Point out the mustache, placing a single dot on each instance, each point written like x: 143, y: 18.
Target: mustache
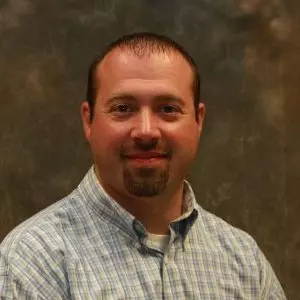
x: 147, y: 146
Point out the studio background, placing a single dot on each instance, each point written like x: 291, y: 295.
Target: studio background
x: 247, y: 169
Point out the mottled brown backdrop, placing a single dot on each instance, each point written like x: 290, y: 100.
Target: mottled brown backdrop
x: 248, y: 51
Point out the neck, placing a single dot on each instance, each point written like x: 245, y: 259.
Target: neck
x: 155, y: 213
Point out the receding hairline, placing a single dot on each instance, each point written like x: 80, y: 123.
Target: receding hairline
x: 145, y: 52
x: 142, y: 43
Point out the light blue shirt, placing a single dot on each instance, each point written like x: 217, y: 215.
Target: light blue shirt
x: 86, y: 246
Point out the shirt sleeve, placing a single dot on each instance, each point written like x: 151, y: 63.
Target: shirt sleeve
x: 271, y: 288
x: 13, y: 288
x: 30, y: 271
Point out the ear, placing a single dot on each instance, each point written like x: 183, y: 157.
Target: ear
x: 85, y: 116
x: 201, y: 114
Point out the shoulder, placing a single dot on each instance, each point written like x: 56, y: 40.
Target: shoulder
x: 45, y: 229
x: 218, y: 230
x: 235, y: 250
x: 32, y: 255
x: 228, y: 243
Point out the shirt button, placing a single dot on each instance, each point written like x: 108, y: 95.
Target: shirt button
x: 166, y: 261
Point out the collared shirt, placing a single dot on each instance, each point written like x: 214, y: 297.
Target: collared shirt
x: 86, y: 246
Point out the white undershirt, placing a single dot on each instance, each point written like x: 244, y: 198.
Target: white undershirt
x: 158, y: 241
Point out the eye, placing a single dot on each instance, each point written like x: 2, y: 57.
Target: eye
x: 122, y: 108
x: 169, y: 109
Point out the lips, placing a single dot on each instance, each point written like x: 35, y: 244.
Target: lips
x: 146, y: 155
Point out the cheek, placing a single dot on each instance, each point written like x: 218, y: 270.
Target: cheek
x: 186, y: 141
x: 107, y: 139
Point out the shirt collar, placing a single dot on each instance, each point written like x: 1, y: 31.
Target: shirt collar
x: 106, y: 207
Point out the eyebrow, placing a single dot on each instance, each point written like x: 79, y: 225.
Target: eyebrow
x: 158, y: 98
x: 121, y: 97
x: 169, y: 98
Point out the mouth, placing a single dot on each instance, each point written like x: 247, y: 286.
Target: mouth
x: 147, y: 158
x: 146, y: 155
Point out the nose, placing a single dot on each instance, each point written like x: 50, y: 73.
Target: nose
x: 145, y: 127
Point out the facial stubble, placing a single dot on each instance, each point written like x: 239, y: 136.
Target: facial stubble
x: 146, y: 181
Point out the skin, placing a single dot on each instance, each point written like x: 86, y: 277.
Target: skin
x: 144, y: 105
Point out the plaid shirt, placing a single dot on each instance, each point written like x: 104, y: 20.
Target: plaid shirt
x: 86, y: 246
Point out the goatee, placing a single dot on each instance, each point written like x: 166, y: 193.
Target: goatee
x: 146, y: 182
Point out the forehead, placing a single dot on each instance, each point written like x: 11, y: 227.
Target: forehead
x: 122, y: 65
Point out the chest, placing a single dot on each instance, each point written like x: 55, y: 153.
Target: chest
x: 131, y: 273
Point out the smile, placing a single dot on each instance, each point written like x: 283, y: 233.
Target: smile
x: 146, y: 158
x: 146, y: 155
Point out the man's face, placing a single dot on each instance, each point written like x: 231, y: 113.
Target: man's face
x: 144, y: 135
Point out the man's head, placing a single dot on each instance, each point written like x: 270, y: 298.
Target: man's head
x: 143, y: 115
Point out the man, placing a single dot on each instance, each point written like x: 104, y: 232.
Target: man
x: 133, y: 229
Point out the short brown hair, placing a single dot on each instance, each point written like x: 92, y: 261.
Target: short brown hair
x: 139, y: 43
